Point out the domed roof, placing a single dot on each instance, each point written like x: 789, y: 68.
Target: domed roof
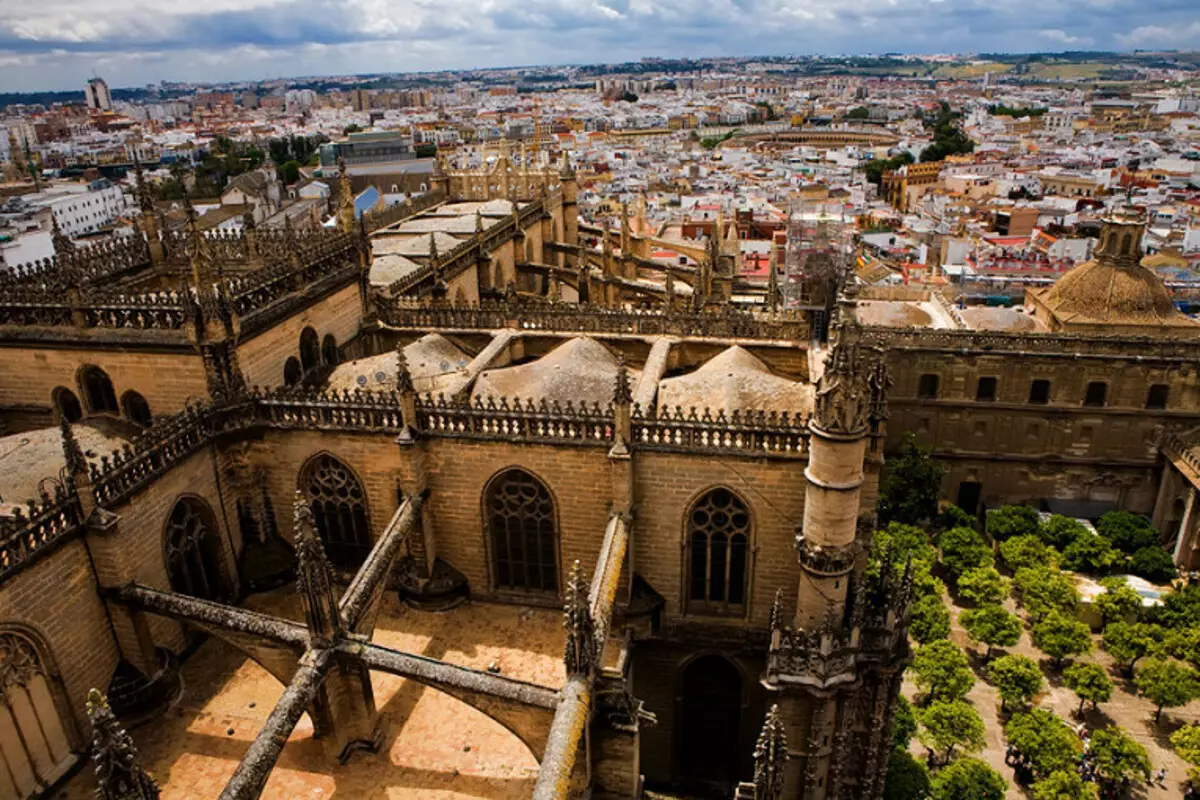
x: 735, y: 380
x: 580, y: 370
x: 1097, y: 292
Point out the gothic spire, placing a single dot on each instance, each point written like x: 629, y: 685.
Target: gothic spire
x: 772, y: 281
x: 345, y: 198
x: 141, y: 191
x: 314, y: 575
x: 580, y: 653
x: 118, y: 772
x: 770, y: 756
x: 403, y: 376
x: 62, y: 243
x: 622, y: 395
x: 72, y: 452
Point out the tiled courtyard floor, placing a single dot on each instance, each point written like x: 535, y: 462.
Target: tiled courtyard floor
x: 1134, y: 714
x: 437, y: 748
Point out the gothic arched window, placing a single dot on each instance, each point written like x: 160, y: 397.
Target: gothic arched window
x: 522, y: 532
x: 718, y: 531
x: 329, y: 350
x: 98, y: 391
x: 67, y: 404
x: 292, y: 372
x: 339, y: 506
x: 37, y: 746
x: 135, y: 408
x: 195, y: 563
x: 310, y: 353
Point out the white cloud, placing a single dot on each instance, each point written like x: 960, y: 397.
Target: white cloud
x: 1152, y: 36
x: 1062, y: 37
x: 215, y: 40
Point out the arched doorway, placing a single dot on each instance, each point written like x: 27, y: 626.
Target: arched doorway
x: 310, y: 353
x: 522, y: 533
x: 136, y: 409
x: 67, y: 404
x: 98, y: 391
x: 710, y: 720
x: 339, y: 507
x: 35, y: 745
x: 193, y: 552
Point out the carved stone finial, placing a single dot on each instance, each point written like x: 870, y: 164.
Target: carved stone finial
x: 248, y: 221
x: 433, y: 249
x: 772, y: 282
x: 580, y: 652
x: 119, y: 772
x: 670, y: 288
x: 478, y: 221
x: 62, y: 243
x: 72, y: 452
x: 404, y: 381
x: 314, y: 575
x: 843, y: 400
x: 770, y: 756
x: 777, y: 611
x: 622, y: 394
x: 141, y: 191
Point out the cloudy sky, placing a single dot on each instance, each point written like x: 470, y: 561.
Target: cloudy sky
x: 58, y: 44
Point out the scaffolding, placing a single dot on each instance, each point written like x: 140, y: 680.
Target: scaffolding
x: 819, y: 253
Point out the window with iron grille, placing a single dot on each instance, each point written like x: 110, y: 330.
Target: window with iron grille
x: 718, y: 542
x: 522, y: 532
x: 339, y: 507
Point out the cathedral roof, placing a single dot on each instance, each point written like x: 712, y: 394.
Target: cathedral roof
x: 389, y: 268
x: 26, y: 458
x: 1102, y: 293
x: 414, y: 245
x: 578, y: 370
x: 433, y: 361
x: 735, y: 380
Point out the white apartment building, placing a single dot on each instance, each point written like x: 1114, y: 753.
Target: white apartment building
x: 85, y: 209
x: 97, y: 94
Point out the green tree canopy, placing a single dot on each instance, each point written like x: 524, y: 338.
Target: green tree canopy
x: 1128, y: 532
x: 1060, y: 531
x: 1154, y: 564
x: 969, y: 779
x: 1118, y: 756
x: 1060, y: 636
x: 963, y: 549
x: 861, y: 112
x: 1046, y: 740
x: 1128, y: 642
x: 1065, y: 785
x: 993, y: 626
x: 1046, y: 589
x: 951, y: 516
x: 1089, y: 682
x: 1028, y: 551
x: 946, y: 725
x: 1092, y: 554
x: 877, y: 166
x: 1008, y: 521
x: 291, y: 172
x: 911, y: 485
x: 1167, y: 683
x: 1186, y: 742
x: 904, y: 723
x: 1119, y: 602
x: 907, y: 778
x: 982, y: 586
x: 1184, y: 644
x: 1017, y: 680
x: 1180, y: 608
x: 942, y: 671
x: 930, y: 620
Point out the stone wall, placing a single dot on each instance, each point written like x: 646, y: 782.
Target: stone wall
x: 57, y: 600
x: 166, y: 380
x: 262, y: 357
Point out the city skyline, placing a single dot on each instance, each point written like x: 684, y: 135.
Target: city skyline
x: 59, y: 44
